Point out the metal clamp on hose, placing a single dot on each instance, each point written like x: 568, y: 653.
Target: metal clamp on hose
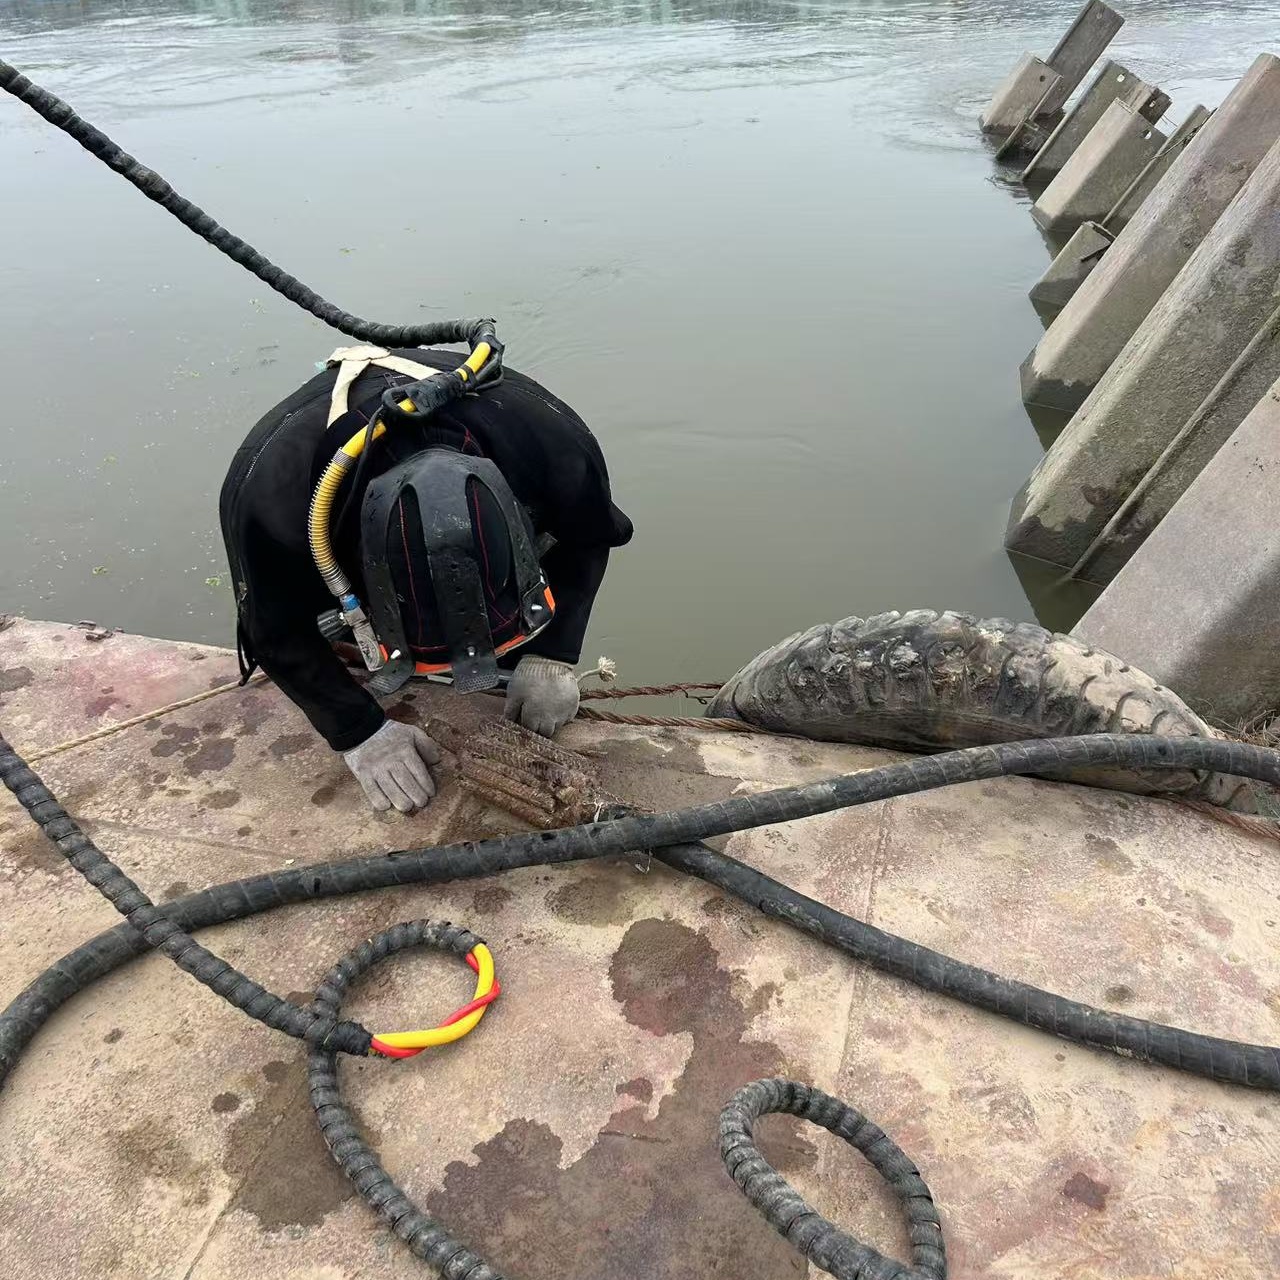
x: 481, y: 369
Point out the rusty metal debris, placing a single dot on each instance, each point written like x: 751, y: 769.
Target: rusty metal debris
x: 93, y: 631
x: 505, y: 765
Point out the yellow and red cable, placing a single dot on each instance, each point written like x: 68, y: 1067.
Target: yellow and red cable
x: 407, y: 1044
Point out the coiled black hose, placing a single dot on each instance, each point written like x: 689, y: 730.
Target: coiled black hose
x: 793, y: 1217
x: 157, y: 929
x: 673, y: 838
x: 154, y: 187
x: 425, y: 1237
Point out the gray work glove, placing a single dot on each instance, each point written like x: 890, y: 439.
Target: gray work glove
x: 542, y: 695
x: 391, y: 766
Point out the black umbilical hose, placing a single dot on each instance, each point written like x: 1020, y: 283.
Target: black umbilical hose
x: 154, y: 187
x: 783, y: 1208
x: 426, y: 1238
x: 673, y: 838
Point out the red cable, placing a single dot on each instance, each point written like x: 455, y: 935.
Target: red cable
x: 389, y: 1051
x: 479, y: 1003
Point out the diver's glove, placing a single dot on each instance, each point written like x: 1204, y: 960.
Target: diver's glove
x: 391, y: 766
x: 542, y: 695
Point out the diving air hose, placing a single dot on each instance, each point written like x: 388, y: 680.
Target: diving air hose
x: 676, y: 839
x: 482, y: 367
x: 154, y: 187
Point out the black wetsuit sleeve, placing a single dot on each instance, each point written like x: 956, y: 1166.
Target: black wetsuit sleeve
x: 577, y: 504
x: 279, y: 594
x: 284, y: 639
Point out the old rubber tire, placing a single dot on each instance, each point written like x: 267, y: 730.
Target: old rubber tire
x: 926, y: 682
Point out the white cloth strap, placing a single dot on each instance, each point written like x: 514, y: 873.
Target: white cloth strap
x: 353, y: 361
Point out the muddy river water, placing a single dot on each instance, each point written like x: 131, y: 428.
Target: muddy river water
x: 761, y: 247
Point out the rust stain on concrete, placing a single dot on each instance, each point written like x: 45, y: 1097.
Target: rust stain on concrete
x: 649, y: 1194
x: 174, y: 738
x: 14, y: 678
x: 1086, y: 1191
x: 212, y: 755
x: 284, y: 1174
x: 289, y: 744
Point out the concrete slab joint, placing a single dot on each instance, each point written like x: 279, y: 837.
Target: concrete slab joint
x: 1197, y: 364
x: 1110, y: 305
x: 1187, y: 454
x: 1121, y: 213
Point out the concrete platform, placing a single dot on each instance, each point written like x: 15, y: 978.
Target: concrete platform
x: 154, y: 1132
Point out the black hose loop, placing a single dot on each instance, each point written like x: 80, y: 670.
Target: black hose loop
x: 154, y: 187
x: 801, y: 1225
x: 158, y: 930
x: 424, y: 1236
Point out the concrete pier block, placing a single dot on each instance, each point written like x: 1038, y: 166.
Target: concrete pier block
x: 1028, y: 137
x: 1122, y: 212
x: 1094, y: 28
x: 1199, y: 605
x: 1020, y: 96
x: 1100, y: 170
x: 1069, y: 270
x: 1082, y: 253
x: 1187, y: 454
x: 1192, y: 337
x: 1114, y: 83
x: 1092, y: 329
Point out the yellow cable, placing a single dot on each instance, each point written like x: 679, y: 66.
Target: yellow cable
x: 434, y: 1036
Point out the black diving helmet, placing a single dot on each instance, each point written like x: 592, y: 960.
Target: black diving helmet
x: 450, y: 569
